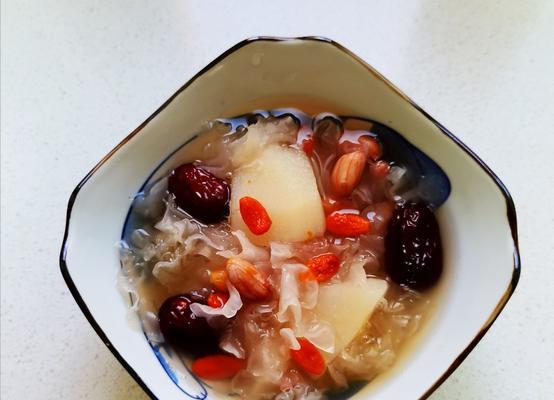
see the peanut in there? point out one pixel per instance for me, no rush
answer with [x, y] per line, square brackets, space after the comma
[347, 172]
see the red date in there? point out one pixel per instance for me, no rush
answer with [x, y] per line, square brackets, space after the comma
[200, 193]
[183, 328]
[413, 250]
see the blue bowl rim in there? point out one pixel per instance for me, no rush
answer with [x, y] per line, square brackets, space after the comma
[510, 207]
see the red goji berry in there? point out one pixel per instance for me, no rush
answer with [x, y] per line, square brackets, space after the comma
[347, 224]
[324, 266]
[217, 300]
[308, 146]
[307, 275]
[308, 357]
[254, 215]
[217, 367]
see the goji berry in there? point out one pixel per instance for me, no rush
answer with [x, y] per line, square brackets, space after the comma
[324, 266]
[347, 224]
[254, 215]
[308, 357]
[306, 276]
[308, 146]
[218, 299]
[217, 367]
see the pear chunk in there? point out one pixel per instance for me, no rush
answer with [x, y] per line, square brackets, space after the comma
[348, 305]
[281, 178]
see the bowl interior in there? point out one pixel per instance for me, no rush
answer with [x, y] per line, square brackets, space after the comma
[312, 75]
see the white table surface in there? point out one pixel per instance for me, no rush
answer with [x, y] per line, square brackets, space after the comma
[77, 76]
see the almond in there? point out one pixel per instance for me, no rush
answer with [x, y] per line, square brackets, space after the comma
[247, 279]
[347, 172]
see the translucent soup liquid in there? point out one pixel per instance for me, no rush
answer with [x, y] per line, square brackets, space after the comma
[165, 252]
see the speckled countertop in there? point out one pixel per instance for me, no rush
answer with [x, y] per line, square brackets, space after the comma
[78, 76]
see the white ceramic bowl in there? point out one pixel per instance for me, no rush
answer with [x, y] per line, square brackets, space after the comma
[478, 220]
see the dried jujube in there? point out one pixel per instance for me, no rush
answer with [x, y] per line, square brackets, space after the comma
[413, 249]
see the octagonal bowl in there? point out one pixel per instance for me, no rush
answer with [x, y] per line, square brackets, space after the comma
[478, 220]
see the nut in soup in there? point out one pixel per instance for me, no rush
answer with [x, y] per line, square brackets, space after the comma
[287, 255]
